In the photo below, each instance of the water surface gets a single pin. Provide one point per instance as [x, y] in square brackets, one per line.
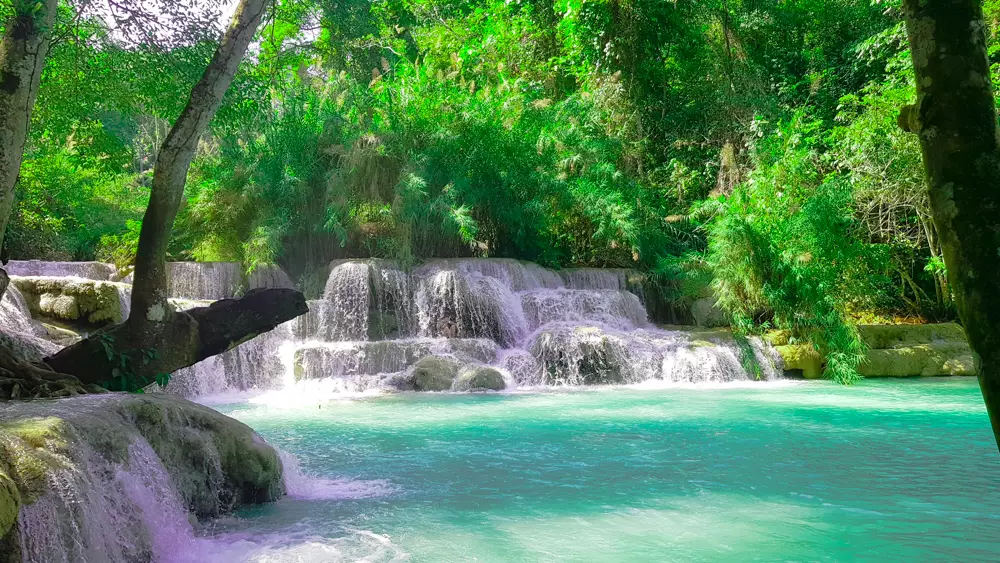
[883, 471]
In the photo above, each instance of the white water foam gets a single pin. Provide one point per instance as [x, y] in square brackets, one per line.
[304, 486]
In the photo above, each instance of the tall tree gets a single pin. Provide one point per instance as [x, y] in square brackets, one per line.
[956, 120]
[149, 292]
[155, 339]
[26, 38]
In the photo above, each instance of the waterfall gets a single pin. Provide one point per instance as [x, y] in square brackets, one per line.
[22, 334]
[377, 324]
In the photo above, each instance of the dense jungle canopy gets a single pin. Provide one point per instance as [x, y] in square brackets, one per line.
[743, 148]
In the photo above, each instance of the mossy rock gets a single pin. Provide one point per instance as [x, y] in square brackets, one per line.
[880, 337]
[10, 503]
[802, 357]
[480, 378]
[434, 373]
[73, 299]
[928, 360]
[217, 463]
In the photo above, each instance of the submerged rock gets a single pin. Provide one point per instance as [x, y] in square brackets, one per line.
[480, 378]
[94, 478]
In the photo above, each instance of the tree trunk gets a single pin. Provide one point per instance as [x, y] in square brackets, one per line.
[149, 291]
[184, 339]
[956, 120]
[22, 56]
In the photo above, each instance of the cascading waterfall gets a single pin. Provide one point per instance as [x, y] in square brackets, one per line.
[537, 327]
[375, 321]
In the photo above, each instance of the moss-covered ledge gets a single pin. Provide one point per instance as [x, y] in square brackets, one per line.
[215, 463]
[81, 300]
[929, 350]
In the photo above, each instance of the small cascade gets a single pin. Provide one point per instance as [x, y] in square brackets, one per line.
[17, 329]
[119, 478]
[347, 294]
[254, 364]
[220, 280]
[98, 510]
[203, 280]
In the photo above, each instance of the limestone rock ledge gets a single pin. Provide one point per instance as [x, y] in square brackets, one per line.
[75, 299]
[72, 466]
[894, 351]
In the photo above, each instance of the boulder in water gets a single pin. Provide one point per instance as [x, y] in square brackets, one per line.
[435, 373]
[480, 378]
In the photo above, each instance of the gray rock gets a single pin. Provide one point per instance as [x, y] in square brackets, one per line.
[434, 373]
[480, 378]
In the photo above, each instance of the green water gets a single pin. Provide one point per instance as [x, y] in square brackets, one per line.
[884, 471]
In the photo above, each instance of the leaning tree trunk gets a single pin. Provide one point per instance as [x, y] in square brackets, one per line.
[120, 359]
[956, 120]
[22, 56]
[149, 290]
[156, 340]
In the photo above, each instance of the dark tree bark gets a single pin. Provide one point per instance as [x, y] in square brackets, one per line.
[22, 56]
[149, 291]
[956, 120]
[184, 339]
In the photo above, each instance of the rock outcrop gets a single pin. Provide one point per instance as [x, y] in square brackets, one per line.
[894, 351]
[73, 299]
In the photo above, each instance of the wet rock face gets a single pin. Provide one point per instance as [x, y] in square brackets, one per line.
[96, 474]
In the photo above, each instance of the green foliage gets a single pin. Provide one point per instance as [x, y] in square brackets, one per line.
[569, 132]
[783, 250]
[123, 372]
[64, 206]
